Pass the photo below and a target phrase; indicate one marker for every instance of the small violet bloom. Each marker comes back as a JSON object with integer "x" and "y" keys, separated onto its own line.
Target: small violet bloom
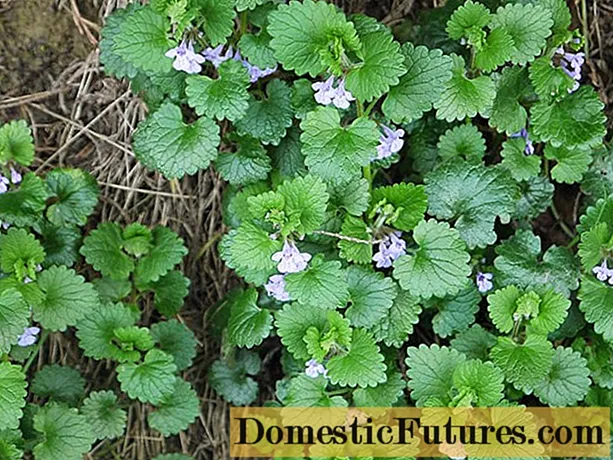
{"x": 390, "y": 142}
{"x": 529, "y": 150}
{"x": 484, "y": 281}
{"x": 314, "y": 369}
{"x": 342, "y": 98}
{"x": 571, "y": 64}
{"x": 185, "y": 58}
{"x": 4, "y": 184}
{"x": 216, "y": 56}
{"x": 603, "y": 273}
{"x": 255, "y": 73}
{"x": 326, "y": 94}
{"x": 15, "y": 177}
{"x": 276, "y": 288}
{"x": 390, "y": 248}
{"x": 290, "y": 259}
{"x": 29, "y": 336}
{"x": 5, "y": 225}
{"x": 27, "y": 280}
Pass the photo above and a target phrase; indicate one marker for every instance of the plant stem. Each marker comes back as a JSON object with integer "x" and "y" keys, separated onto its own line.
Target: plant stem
{"x": 565, "y": 228}
{"x": 39, "y": 345}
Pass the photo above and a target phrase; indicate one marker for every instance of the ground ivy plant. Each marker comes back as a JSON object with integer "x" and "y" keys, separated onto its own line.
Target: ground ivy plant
{"x": 53, "y": 281}
{"x": 382, "y": 196}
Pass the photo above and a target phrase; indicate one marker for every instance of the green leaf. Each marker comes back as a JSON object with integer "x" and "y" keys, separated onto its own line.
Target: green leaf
{"x": 142, "y": 41}
{"x": 314, "y": 48}
{"x": 322, "y": 283}
{"x": 168, "y": 250}
{"x": 550, "y": 82}
{"x": 516, "y": 162}
{"x": 430, "y": 372}
{"x": 528, "y": 25}
{"x": 256, "y": 49}
{"x": 225, "y": 97}
{"x": 305, "y": 200}
{"x": 20, "y": 253}
{"x": 96, "y": 332}
{"x": 439, "y": 266}
{"x": 170, "y": 292}
{"x": 408, "y": 200}
{"x": 422, "y": 85}
{"x": 600, "y": 362}
{"x": 16, "y": 143}
{"x": 59, "y": 383}
{"x": 496, "y": 49}
{"x": 64, "y": 433}
{"x": 268, "y": 119}
{"x": 176, "y": 411}
{"x": 512, "y": 88}
{"x": 577, "y": 119}
{"x": 130, "y": 341}
{"x": 481, "y": 383}
{"x": 457, "y": 312}
{"x": 61, "y": 244}
{"x": 594, "y": 246}
{"x": 303, "y": 98}
{"x": 24, "y": 206}
{"x": 464, "y": 97}
{"x": 352, "y": 196}
{"x": 397, "y": 325}
{"x": 14, "y": 318}
{"x": 248, "y": 164}
{"x": 525, "y": 365}
{"x": 67, "y": 299}
{"x": 231, "y": 379}
{"x": 385, "y": 394}
{"x": 102, "y": 411}
{"x": 571, "y": 163}
{"x": 361, "y": 366}
{"x": 520, "y": 262}
{"x": 75, "y": 194}
{"x": 8, "y": 447}
{"x": 473, "y": 196}
{"x": 103, "y": 250}
{"x": 335, "y": 152}
{"x": 249, "y": 324}
{"x": 150, "y": 381}
{"x": 360, "y": 253}
{"x": 567, "y": 381}
{"x": 287, "y": 157}
{"x": 165, "y": 143}
{"x": 218, "y": 19}
{"x": 561, "y": 19}
{"x": 177, "y": 340}
{"x": 304, "y": 391}
{"x": 371, "y": 295}
{"x": 381, "y": 61}
{"x": 475, "y": 342}
{"x": 464, "y": 141}
{"x": 468, "y": 19}
{"x": 601, "y": 212}
{"x": 12, "y": 398}
{"x": 597, "y": 305}
{"x": 137, "y": 240}
{"x": 336, "y": 334}
{"x": 536, "y": 197}
{"x": 502, "y": 307}
{"x": 292, "y": 324}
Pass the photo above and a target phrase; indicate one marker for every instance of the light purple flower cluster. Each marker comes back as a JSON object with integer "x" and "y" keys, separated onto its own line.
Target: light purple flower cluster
{"x": 29, "y": 336}
{"x": 315, "y": 369}
{"x": 603, "y": 273}
{"x": 571, "y": 63}
{"x": 185, "y": 58}
{"x": 484, "y": 281}
{"x": 216, "y": 56}
{"x": 326, "y": 93}
{"x": 391, "y": 142}
{"x": 290, "y": 259}
{"x": 529, "y": 150}
{"x": 5, "y": 181}
{"x": 390, "y": 248}
{"x": 276, "y": 288}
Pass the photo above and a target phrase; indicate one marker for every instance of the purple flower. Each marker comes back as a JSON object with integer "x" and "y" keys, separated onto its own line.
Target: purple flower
{"x": 185, "y": 58}
{"x": 390, "y": 248}
{"x": 603, "y": 273}
{"x": 5, "y": 225}
{"x": 4, "y": 184}
{"x": 27, "y": 280}
{"x": 571, "y": 64}
{"x": 390, "y": 142}
{"x": 314, "y": 369}
{"x": 29, "y": 336}
{"x": 324, "y": 91}
{"x": 215, "y": 56}
{"x": 276, "y": 288}
{"x": 484, "y": 281}
{"x": 255, "y": 73}
{"x": 290, "y": 259}
{"x": 342, "y": 98}
{"x": 15, "y": 177}
{"x": 529, "y": 150}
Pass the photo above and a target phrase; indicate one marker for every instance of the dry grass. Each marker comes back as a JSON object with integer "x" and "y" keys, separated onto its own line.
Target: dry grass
{"x": 81, "y": 118}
